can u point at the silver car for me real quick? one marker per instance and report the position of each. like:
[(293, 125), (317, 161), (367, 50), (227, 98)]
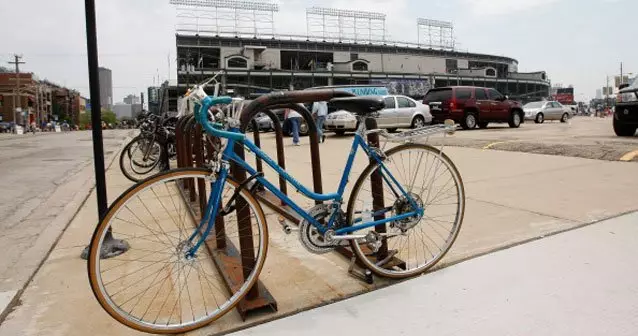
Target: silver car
[(400, 112), (545, 110)]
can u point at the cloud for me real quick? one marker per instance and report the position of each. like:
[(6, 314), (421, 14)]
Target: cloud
[(500, 7)]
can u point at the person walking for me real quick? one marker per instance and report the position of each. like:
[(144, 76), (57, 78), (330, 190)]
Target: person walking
[(295, 122), (319, 112)]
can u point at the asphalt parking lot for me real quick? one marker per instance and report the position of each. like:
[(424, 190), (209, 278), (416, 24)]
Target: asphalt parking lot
[(584, 137)]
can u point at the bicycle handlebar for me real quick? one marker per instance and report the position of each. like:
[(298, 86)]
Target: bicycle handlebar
[(214, 128)]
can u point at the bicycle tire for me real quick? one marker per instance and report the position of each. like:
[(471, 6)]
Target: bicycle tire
[(127, 161), (370, 260), (106, 299)]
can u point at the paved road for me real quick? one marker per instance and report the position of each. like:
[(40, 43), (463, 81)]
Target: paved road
[(40, 178), (581, 282), (585, 137)]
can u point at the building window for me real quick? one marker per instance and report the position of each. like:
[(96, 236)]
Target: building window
[(360, 66), (451, 65), (489, 72), (237, 62)]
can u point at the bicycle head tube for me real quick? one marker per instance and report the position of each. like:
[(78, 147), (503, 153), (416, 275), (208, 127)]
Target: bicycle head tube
[(213, 128)]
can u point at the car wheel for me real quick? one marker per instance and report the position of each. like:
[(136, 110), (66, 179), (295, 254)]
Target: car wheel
[(340, 133), (623, 130), (483, 124), (515, 120), (469, 121), (418, 122), (540, 118), (392, 130), (303, 128), (564, 118)]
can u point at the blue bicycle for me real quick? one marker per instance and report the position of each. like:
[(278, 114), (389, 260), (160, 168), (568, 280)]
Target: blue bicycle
[(402, 215)]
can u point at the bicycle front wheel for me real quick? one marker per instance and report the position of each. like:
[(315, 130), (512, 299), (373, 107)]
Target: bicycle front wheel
[(140, 159), (411, 245), (156, 286)]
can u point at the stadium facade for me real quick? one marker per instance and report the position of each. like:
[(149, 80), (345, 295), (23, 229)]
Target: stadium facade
[(257, 65)]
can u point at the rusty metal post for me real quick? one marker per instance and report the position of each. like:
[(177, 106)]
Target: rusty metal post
[(189, 137), (246, 245), (198, 148), (257, 141), (376, 187), (179, 141), (315, 157), (281, 157)]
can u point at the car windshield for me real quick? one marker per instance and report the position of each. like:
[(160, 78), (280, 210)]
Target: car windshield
[(534, 105), (634, 85)]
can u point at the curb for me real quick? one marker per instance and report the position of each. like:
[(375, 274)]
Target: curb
[(51, 235)]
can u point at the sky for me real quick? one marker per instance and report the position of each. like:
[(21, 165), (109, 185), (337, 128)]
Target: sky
[(578, 42)]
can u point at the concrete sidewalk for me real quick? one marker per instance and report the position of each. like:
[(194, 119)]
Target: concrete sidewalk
[(511, 198), (581, 282)]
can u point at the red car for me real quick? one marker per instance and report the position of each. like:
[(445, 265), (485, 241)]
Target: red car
[(473, 106)]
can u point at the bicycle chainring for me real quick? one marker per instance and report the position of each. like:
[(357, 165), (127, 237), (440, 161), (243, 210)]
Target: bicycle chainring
[(311, 238)]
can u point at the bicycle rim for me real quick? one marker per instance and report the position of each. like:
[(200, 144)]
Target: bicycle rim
[(152, 287), (414, 244), (130, 169), (144, 155)]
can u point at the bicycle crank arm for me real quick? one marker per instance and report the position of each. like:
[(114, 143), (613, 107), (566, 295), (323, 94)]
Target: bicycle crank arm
[(351, 237)]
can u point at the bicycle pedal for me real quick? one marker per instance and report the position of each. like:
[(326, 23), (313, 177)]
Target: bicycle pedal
[(285, 226)]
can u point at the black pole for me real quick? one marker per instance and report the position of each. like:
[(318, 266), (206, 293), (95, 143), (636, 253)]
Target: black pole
[(110, 247), (96, 109)]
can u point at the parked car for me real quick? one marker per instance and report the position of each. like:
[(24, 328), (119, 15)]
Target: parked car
[(399, 112), (545, 110), (340, 122), (286, 128), (6, 127), (264, 123), (626, 113), (473, 106)]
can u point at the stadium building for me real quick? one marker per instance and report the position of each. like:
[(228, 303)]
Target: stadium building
[(257, 60)]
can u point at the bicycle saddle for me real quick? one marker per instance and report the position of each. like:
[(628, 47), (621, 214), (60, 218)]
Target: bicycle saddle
[(361, 106)]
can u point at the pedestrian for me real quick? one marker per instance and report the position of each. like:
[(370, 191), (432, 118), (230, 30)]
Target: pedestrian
[(319, 112), (295, 121)]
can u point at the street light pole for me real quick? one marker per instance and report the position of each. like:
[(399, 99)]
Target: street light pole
[(111, 247)]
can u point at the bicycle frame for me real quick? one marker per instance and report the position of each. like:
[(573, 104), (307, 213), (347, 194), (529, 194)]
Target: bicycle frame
[(229, 155)]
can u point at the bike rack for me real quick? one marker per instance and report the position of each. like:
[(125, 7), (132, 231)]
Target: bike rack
[(190, 146), (291, 100), (191, 143)]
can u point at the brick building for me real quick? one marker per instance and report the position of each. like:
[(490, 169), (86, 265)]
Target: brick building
[(29, 93)]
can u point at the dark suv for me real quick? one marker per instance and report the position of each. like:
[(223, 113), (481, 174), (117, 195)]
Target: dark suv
[(626, 112), (473, 106)]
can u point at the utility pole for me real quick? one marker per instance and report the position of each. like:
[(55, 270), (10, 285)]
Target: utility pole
[(16, 92), (622, 81), (607, 90)]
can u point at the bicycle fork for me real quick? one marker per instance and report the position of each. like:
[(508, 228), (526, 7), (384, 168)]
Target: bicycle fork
[(208, 219)]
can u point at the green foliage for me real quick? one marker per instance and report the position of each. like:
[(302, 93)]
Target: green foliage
[(109, 117)]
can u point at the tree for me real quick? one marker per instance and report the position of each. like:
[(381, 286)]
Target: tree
[(85, 120), (109, 117)]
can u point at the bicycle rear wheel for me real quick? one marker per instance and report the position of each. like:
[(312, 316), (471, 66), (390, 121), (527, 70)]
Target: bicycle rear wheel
[(155, 287), (413, 245)]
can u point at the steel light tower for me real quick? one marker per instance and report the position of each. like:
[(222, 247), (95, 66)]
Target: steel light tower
[(226, 17), (435, 34), (345, 25)]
